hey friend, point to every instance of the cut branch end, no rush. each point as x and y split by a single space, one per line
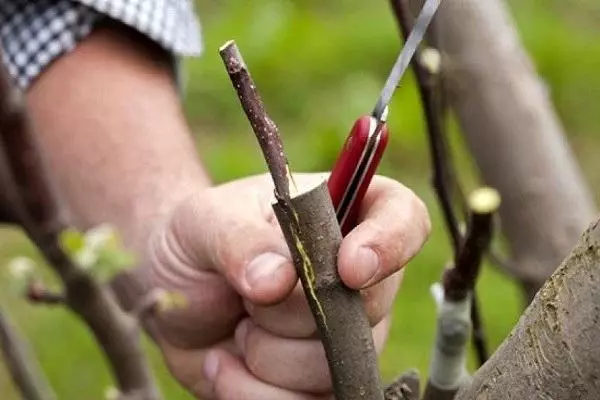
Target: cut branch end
485 200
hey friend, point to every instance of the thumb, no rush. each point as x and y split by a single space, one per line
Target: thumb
227 230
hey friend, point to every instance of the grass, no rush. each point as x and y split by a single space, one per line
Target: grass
318 66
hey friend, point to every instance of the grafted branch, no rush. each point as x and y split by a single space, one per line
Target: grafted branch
313 236
460 280
448 366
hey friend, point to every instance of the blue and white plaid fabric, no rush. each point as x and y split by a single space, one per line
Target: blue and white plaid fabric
33 33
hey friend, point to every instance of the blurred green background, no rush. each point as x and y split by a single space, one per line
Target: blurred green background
318 65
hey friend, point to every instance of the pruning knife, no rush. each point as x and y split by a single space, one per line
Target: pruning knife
363 149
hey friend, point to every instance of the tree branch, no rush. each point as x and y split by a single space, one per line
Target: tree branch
313 235
21 366
553 351
37 211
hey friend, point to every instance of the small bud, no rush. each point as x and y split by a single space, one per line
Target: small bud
485 200
431 59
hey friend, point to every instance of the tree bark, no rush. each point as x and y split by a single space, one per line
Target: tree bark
310 226
553 351
515 137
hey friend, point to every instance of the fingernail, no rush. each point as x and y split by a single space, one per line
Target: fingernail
367 265
211 366
263 268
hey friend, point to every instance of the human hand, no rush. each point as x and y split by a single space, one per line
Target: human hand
247 331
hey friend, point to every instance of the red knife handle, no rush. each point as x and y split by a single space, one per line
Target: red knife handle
355 167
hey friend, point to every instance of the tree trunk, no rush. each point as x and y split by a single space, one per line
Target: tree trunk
553 351
515 137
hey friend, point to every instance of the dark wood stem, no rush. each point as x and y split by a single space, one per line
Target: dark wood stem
313 236
429 91
36 207
444 177
21 366
459 281
478 337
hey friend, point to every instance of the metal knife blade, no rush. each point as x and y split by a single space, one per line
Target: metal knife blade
402 62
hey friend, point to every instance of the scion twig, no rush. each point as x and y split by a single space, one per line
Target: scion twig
265 129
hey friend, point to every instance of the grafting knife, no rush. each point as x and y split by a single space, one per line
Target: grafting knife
364 146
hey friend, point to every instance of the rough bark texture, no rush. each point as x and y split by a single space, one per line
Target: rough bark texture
311 229
514 135
553 352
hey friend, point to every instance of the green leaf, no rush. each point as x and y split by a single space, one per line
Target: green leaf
71 241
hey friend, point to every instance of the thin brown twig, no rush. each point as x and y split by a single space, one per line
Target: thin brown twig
429 92
21 365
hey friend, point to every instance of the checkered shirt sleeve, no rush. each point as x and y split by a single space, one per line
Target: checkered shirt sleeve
33 33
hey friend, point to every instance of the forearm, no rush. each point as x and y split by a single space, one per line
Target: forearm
111 126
